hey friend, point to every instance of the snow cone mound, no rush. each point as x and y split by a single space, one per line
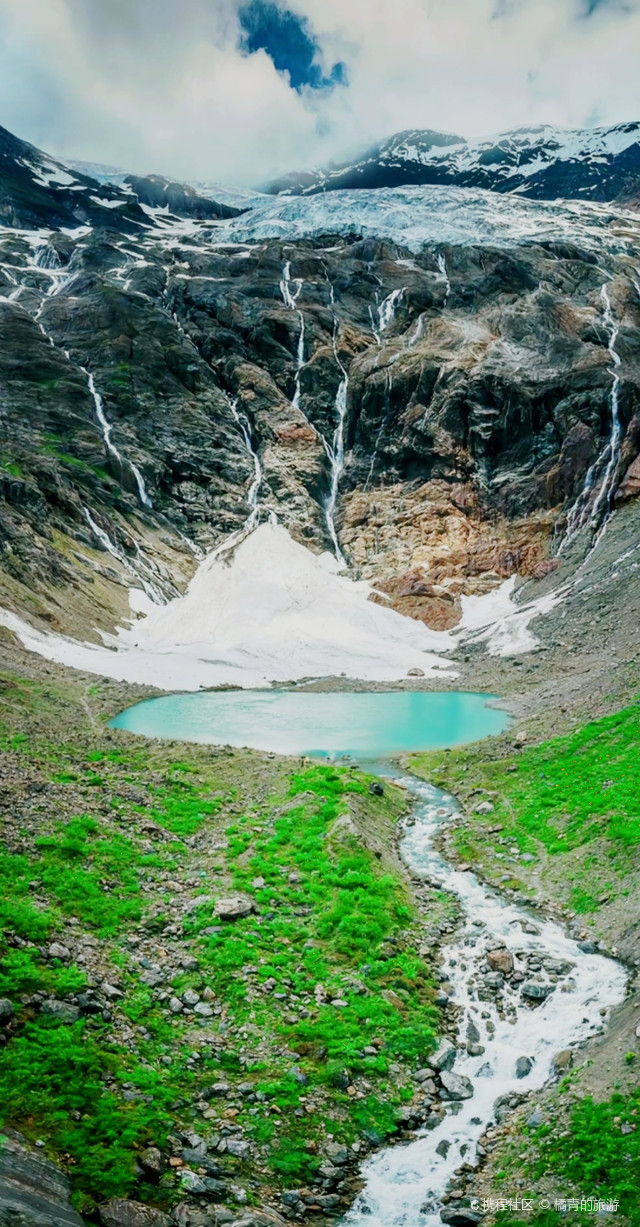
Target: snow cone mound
270 610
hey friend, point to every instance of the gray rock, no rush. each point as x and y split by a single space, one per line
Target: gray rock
60 1010
195 1158
57 951
190 998
190 1182
153 1162
460 1216
33 1192
494 979
234 907
443 1148
485 807
535 991
535 1119
120 1213
203 1010
217 1189
524 1065
6 1010
238 1147
588 947
456 1086
337 1154
218 1090
444 1055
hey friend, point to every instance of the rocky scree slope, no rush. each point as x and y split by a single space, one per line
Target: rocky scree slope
431 417
542 162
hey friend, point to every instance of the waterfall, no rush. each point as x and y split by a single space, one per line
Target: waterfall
152 591
290 301
606 490
254 489
374 328
335 450
579 513
418 332
442 267
387 309
106 428
300 363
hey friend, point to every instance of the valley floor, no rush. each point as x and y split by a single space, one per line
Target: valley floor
169 1057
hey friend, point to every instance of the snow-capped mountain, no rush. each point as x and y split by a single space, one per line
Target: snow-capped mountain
542 162
37 190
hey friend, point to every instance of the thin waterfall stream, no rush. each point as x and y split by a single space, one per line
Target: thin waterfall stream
254 489
556 1004
579 514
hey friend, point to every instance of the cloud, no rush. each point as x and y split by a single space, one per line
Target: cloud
241 90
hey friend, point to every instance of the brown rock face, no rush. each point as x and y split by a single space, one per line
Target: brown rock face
630 485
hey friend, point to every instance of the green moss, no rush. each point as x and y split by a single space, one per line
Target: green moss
334 922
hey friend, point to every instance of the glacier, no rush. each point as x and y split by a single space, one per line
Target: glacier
415 217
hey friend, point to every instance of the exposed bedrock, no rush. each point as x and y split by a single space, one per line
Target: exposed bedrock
479 398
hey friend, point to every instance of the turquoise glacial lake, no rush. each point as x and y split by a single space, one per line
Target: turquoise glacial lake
366 725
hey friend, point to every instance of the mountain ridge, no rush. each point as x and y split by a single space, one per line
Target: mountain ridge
542 162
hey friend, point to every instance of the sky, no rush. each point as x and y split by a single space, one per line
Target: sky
239 91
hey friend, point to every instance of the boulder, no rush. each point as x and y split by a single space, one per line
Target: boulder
234 907
444 1055
535 991
33 1192
60 1010
501 959
121 1213
58 951
455 1085
6 1010
153 1162
524 1065
461 1216
563 1060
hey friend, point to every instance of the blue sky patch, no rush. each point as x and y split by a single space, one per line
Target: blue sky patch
290 42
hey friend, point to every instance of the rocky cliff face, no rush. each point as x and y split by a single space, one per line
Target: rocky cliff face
433 416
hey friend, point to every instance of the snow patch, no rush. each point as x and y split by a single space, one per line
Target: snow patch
260 609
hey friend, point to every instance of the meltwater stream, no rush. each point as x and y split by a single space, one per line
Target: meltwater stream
405 1183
